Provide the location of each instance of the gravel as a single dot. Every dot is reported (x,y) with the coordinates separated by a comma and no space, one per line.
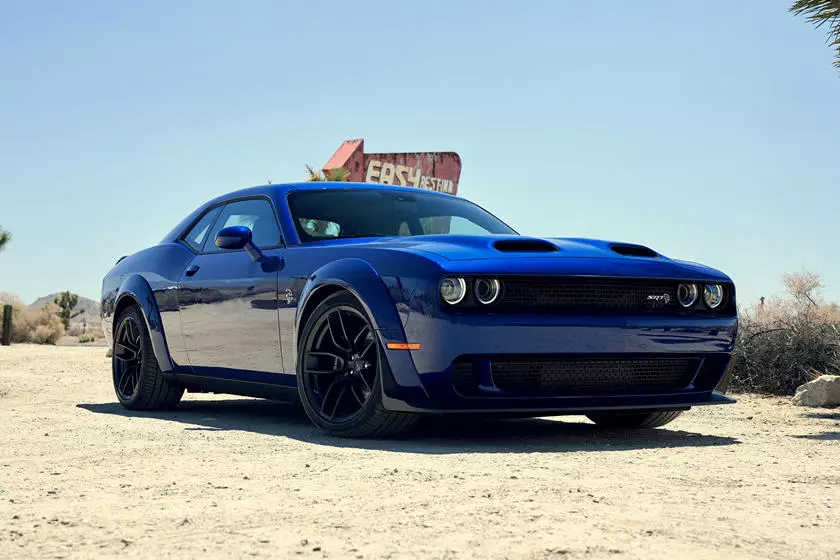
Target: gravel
(229,477)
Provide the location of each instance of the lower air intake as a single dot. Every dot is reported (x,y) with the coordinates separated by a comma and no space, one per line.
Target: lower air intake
(552,375)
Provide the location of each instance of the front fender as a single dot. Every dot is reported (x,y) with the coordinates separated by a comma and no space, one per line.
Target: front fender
(137,289)
(360,279)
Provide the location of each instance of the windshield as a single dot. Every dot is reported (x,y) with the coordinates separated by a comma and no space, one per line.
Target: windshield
(334,214)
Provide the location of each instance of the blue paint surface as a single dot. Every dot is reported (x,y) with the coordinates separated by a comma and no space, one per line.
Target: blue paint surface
(236,320)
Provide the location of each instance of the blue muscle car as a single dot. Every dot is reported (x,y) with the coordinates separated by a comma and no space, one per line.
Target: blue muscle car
(374,304)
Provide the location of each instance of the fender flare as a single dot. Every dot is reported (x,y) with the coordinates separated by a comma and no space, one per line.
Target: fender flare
(360,279)
(136,288)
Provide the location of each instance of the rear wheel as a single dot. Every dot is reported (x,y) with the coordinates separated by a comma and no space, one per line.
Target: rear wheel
(138,381)
(631,420)
(340,368)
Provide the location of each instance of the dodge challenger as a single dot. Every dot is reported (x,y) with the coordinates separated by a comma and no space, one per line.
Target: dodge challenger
(374,305)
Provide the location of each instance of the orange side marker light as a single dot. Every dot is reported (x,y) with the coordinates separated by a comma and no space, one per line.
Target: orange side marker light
(403,346)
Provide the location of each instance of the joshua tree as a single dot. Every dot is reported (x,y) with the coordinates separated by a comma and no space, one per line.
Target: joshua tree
(821,12)
(5,237)
(67,301)
(339,174)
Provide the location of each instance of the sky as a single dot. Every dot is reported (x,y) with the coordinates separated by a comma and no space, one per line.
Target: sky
(708,132)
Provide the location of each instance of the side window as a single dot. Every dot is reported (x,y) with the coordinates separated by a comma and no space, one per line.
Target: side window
(256,214)
(197,235)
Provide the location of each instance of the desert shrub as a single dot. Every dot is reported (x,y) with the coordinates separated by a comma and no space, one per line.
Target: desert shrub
(45,334)
(41,326)
(787,341)
(87,338)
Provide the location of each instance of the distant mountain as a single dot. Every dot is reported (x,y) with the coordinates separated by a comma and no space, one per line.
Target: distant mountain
(90,307)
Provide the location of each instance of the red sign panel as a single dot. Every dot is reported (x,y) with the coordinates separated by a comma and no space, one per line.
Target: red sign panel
(434,171)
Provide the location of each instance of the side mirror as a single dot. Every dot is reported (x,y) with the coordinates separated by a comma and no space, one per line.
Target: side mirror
(233,238)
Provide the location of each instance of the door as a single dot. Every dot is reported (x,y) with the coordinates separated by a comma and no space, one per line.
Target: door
(229,302)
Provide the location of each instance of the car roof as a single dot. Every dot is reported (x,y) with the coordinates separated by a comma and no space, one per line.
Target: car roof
(283,188)
(278,192)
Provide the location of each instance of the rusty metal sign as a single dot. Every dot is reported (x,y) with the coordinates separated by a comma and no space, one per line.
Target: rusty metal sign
(434,171)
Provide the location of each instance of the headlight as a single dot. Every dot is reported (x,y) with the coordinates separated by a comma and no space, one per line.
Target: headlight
(487,290)
(453,290)
(687,294)
(713,295)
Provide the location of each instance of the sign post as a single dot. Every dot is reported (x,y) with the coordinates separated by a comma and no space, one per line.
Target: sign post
(434,171)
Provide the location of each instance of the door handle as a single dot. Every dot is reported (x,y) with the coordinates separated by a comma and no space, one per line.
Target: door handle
(192,270)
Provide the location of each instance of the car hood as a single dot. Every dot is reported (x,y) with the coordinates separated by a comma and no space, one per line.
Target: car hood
(530,255)
(471,247)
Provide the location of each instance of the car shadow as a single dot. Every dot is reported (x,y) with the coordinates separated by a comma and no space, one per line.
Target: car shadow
(828,436)
(436,435)
(823,415)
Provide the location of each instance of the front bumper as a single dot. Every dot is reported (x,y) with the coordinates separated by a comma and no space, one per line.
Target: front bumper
(422,380)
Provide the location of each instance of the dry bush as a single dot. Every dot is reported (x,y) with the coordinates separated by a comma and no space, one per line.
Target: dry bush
(41,326)
(787,341)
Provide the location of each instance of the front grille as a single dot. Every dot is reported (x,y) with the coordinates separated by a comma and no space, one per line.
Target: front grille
(600,295)
(561,375)
(464,376)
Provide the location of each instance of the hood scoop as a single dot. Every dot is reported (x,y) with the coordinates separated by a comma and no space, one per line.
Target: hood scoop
(525,246)
(629,250)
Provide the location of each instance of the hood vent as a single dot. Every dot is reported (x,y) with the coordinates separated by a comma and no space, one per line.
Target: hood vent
(633,250)
(525,246)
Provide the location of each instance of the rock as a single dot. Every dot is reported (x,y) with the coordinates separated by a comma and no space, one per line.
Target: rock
(824,391)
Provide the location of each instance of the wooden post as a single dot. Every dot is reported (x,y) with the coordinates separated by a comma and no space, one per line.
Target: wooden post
(7,325)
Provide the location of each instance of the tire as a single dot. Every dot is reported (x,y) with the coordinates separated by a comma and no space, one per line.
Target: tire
(632,420)
(138,381)
(330,335)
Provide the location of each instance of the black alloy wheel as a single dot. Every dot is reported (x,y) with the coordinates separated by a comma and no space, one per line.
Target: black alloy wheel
(340,368)
(138,381)
(128,352)
(340,362)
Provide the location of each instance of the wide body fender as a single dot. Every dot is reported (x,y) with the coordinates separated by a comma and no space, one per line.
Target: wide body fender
(360,279)
(138,291)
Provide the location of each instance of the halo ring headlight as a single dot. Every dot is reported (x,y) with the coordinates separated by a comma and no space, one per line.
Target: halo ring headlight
(453,290)
(487,290)
(713,295)
(687,294)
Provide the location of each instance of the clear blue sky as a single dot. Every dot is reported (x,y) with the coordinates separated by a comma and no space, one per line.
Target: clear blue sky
(707,131)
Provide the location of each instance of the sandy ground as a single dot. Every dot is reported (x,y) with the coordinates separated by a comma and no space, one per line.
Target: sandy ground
(225,477)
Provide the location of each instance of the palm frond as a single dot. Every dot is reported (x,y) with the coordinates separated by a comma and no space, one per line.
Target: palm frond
(5,237)
(822,12)
(339,174)
(313,174)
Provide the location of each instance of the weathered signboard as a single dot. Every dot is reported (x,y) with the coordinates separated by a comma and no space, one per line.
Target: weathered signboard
(435,171)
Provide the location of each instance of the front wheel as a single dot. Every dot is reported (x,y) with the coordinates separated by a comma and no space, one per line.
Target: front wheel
(138,381)
(611,420)
(340,369)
